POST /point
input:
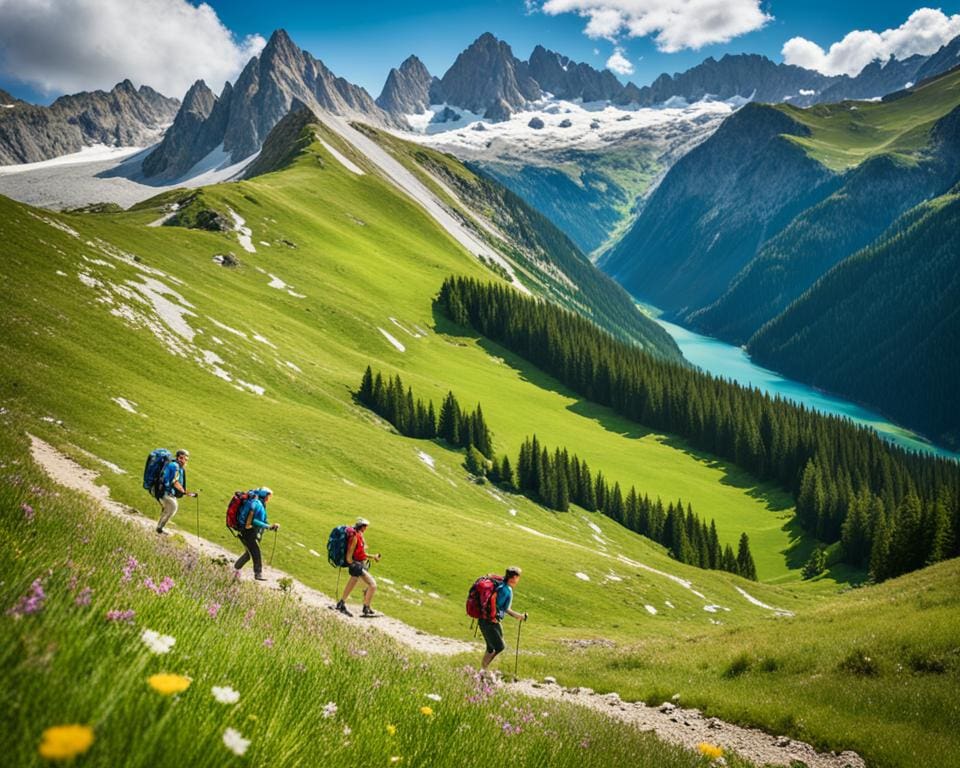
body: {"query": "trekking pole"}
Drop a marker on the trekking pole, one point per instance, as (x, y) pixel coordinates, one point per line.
(516, 658)
(272, 551)
(337, 593)
(197, 497)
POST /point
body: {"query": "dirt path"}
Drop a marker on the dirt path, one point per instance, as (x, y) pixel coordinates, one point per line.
(686, 727)
(67, 472)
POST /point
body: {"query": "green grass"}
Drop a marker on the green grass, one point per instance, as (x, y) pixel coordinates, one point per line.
(68, 664)
(845, 134)
(70, 348)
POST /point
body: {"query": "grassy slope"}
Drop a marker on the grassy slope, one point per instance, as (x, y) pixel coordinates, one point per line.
(68, 664)
(328, 460)
(844, 135)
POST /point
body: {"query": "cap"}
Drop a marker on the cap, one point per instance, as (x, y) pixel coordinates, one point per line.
(264, 492)
(361, 521)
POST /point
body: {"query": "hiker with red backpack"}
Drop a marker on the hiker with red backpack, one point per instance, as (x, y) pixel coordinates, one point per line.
(172, 479)
(489, 600)
(252, 522)
(358, 565)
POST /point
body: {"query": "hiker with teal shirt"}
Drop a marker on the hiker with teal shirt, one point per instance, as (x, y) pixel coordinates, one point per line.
(358, 565)
(252, 519)
(492, 629)
(174, 486)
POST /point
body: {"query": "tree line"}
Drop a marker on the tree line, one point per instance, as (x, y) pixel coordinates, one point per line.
(554, 480)
(414, 418)
(772, 438)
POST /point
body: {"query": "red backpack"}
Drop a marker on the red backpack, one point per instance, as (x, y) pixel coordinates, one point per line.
(482, 597)
(233, 509)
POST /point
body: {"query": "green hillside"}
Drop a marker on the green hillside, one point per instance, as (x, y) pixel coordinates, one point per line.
(845, 134)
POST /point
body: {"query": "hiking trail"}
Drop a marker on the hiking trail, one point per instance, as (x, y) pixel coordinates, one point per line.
(686, 727)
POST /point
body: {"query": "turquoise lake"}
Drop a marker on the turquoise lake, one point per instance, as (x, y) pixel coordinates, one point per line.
(729, 362)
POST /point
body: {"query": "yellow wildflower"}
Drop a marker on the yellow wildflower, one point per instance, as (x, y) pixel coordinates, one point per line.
(426, 711)
(710, 750)
(169, 684)
(392, 729)
(62, 742)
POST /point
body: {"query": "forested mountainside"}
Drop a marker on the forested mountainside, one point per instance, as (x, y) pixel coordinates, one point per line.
(883, 326)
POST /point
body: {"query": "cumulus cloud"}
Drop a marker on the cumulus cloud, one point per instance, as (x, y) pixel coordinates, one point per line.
(924, 32)
(64, 46)
(619, 63)
(674, 25)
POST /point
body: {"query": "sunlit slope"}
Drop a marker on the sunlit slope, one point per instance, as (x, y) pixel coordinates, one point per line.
(99, 323)
(845, 134)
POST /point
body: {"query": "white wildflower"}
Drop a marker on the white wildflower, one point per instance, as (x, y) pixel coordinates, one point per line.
(330, 709)
(347, 730)
(225, 694)
(156, 642)
(433, 696)
(235, 742)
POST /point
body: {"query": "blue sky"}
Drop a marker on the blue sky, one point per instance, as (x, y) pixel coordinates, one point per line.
(363, 39)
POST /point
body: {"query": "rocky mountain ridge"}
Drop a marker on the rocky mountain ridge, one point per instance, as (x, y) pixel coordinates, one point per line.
(123, 116)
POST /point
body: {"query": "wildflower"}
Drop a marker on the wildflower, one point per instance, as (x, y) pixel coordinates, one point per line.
(168, 684)
(585, 743)
(63, 742)
(156, 642)
(126, 616)
(128, 569)
(426, 711)
(83, 599)
(213, 609)
(30, 603)
(434, 696)
(710, 750)
(347, 730)
(330, 709)
(248, 616)
(225, 695)
(394, 759)
(159, 589)
(268, 642)
(235, 742)
(391, 729)
(358, 652)
(27, 512)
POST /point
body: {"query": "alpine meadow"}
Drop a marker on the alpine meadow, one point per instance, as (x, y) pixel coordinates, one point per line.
(375, 321)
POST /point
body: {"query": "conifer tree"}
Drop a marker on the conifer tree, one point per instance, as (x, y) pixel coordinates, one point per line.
(506, 472)
(365, 394)
(729, 563)
(745, 564)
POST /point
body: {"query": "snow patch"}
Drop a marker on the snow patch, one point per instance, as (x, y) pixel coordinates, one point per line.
(348, 482)
(402, 328)
(594, 527)
(582, 576)
(55, 224)
(314, 553)
(676, 579)
(751, 599)
(127, 405)
(227, 328)
(651, 610)
(344, 161)
(668, 604)
(244, 233)
(427, 459)
(513, 513)
(95, 153)
(292, 366)
(264, 340)
(392, 339)
(255, 388)
(89, 280)
(612, 577)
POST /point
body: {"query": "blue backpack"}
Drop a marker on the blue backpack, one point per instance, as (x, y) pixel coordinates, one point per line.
(157, 460)
(337, 545)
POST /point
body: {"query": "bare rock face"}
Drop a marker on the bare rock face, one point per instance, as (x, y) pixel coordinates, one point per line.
(487, 79)
(407, 90)
(244, 114)
(566, 79)
(125, 116)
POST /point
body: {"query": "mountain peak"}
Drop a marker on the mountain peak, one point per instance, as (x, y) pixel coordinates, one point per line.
(407, 89)
(280, 47)
(286, 140)
(198, 99)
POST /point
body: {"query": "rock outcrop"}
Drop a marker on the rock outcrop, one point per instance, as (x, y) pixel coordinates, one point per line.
(407, 90)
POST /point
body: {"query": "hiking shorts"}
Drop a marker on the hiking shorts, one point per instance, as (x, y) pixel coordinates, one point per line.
(492, 632)
(359, 568)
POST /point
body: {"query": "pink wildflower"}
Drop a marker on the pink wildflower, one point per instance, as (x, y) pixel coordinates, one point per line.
(30, 603)
(268, 642)
(126, 616)
(159, 589)
(84, 598)
(213, 609)
(28, 512)
(129, 568)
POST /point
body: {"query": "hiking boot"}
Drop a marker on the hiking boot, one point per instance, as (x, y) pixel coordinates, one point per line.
(342, 607)
(161, 531)
(368, 611)
(259, 577)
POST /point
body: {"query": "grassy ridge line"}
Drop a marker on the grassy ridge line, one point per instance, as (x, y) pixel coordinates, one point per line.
(67, 663)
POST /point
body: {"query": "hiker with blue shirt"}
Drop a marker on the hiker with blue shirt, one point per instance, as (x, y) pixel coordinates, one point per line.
(252, 519)
(492, 629)
(174, 487)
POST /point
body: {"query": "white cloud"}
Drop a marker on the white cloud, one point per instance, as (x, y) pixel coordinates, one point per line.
(673, 24)
(619, 63)
(924, 32)
(64, 46)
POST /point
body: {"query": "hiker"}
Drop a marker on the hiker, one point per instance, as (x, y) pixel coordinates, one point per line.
(492, 629)
(252, 519)
(358, 565)
(174, 486)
